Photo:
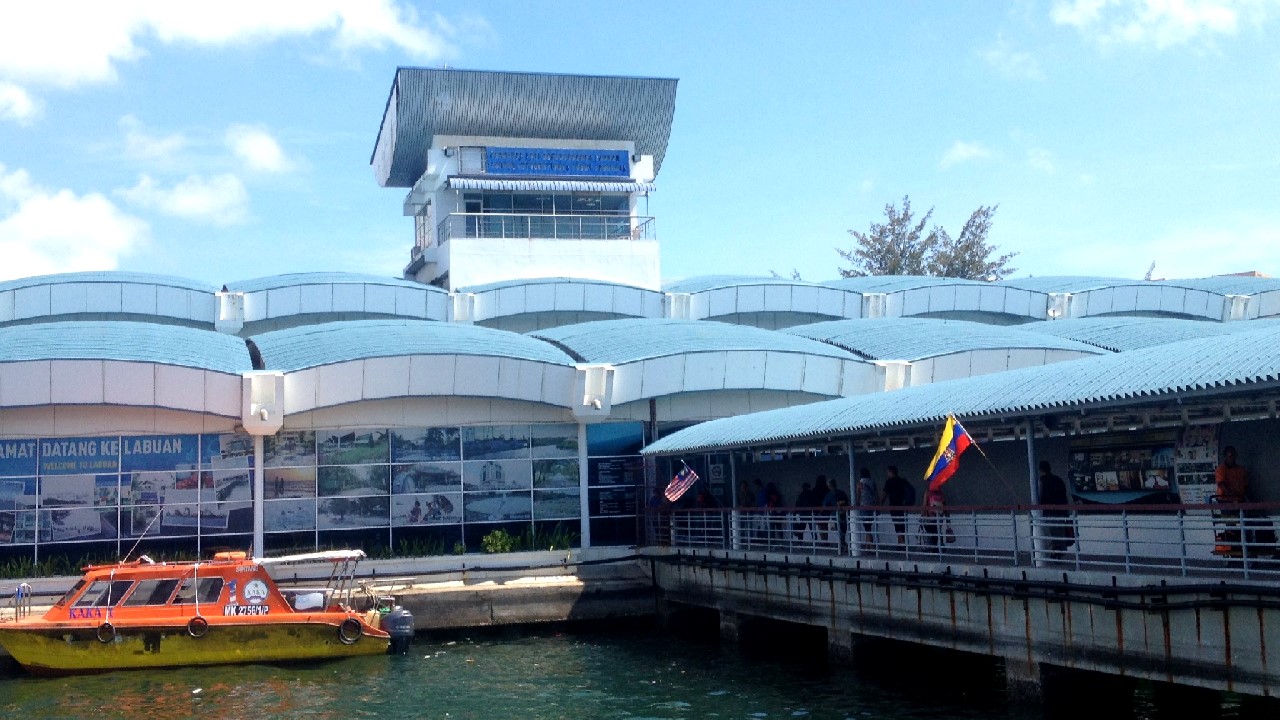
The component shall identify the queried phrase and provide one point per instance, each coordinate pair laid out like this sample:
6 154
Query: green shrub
499 541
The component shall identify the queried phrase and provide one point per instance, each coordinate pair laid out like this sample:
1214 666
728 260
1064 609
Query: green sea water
544 674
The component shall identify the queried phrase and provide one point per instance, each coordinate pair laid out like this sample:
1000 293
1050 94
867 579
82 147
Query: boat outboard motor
399 625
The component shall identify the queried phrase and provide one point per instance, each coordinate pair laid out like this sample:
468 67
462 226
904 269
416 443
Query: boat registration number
245 610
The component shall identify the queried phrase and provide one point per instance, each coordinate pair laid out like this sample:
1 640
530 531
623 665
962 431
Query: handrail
1206 540
20 601
536 226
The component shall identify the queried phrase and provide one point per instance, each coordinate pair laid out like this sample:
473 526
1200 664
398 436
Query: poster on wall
353 446
493 475
414 445
426 477
18 457
78 523
1195 460
289 482
565 504
495 442
497 506
289 448
555 474
289 515
226 450
72 456
613 501
1122 468
339 513
615 471
159 452
353 480
553 441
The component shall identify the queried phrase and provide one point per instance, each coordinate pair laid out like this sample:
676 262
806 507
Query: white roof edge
315 557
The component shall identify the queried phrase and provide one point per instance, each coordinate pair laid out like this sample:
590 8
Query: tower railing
545 227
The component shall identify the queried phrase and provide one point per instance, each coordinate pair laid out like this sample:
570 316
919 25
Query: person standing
898 493
866 496
933 516
1058 525
1231 483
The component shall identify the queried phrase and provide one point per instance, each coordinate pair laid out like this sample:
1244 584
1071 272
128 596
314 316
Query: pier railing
1165 540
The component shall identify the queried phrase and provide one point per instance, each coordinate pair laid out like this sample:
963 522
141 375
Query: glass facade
400 491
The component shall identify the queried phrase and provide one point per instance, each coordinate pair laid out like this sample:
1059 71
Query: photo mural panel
221 451
415 445
353 446
564 504
289 515
289 482
495 442
498 506
226 517
78 524
353 480
339 513
426 509
623 438
426 477
494 475
554 441
17 500
289 448
555 474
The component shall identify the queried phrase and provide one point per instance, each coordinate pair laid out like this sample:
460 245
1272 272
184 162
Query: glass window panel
180 519
495 442
426 444
151 592
426 477
353 447
615 204
227 485
498 506
205 590
226 450
68 490
433 509
586 203
625 438
498 202
557 504
289 515
555 474
228 517
615 471
554 440
104 593
290 448
353 480
613 501
289 482
352 512
71 524
489 475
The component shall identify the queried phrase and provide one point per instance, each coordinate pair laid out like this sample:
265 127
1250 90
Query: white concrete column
584 499
259 494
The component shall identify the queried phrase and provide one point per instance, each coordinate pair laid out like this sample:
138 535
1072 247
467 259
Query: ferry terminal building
512 375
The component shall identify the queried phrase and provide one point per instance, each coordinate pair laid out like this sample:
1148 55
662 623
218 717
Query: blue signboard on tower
556 162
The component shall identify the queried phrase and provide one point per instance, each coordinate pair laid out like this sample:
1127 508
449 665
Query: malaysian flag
681 483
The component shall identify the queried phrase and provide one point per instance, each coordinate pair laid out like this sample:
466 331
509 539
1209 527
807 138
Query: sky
227 141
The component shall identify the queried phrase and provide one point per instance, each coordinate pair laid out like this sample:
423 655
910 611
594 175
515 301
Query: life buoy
349 631
197 627
106 632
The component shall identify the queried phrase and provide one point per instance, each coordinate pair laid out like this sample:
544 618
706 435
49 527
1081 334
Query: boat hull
69 650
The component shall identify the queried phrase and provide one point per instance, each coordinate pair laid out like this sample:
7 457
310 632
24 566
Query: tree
901 246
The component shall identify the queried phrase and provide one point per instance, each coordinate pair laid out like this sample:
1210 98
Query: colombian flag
954 441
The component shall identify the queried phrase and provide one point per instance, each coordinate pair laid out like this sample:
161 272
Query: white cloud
1010 63
962 151
220 200
256 148
16 104
43 231
66 44
1185 252
1157 23
141 145
1042 160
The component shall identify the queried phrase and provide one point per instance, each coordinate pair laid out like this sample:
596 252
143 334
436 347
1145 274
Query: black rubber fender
106 632
350 632
197 627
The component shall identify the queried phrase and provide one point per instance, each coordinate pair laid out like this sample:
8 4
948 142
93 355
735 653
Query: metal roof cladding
110 276
1065 283
714 282
315 345
440 101
1121 333
895 283
1243 361
919 338
125 341
1228 284
635 339
502 284
274 282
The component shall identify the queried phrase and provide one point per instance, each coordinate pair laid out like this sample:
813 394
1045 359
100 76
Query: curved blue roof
1119 333
273 282
1065 283
1248 361
919 338
634 339
125 341
712 282
502 284
315 345
896 283
1228 284
111 276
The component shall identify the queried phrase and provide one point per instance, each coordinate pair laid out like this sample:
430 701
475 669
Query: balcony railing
545 227
1184 541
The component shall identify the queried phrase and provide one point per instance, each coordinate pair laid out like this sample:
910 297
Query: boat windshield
104 593
70 593
206 590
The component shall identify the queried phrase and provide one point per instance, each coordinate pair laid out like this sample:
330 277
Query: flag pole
999 474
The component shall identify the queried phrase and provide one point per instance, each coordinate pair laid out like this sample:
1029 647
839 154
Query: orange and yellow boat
144 614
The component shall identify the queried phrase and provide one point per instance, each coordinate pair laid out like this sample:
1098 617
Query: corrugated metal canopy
1122 333
635 339
314 345
274 282
1248 360
1065 283
524 282
466 183
439 101
919 338
125 341
1228 284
